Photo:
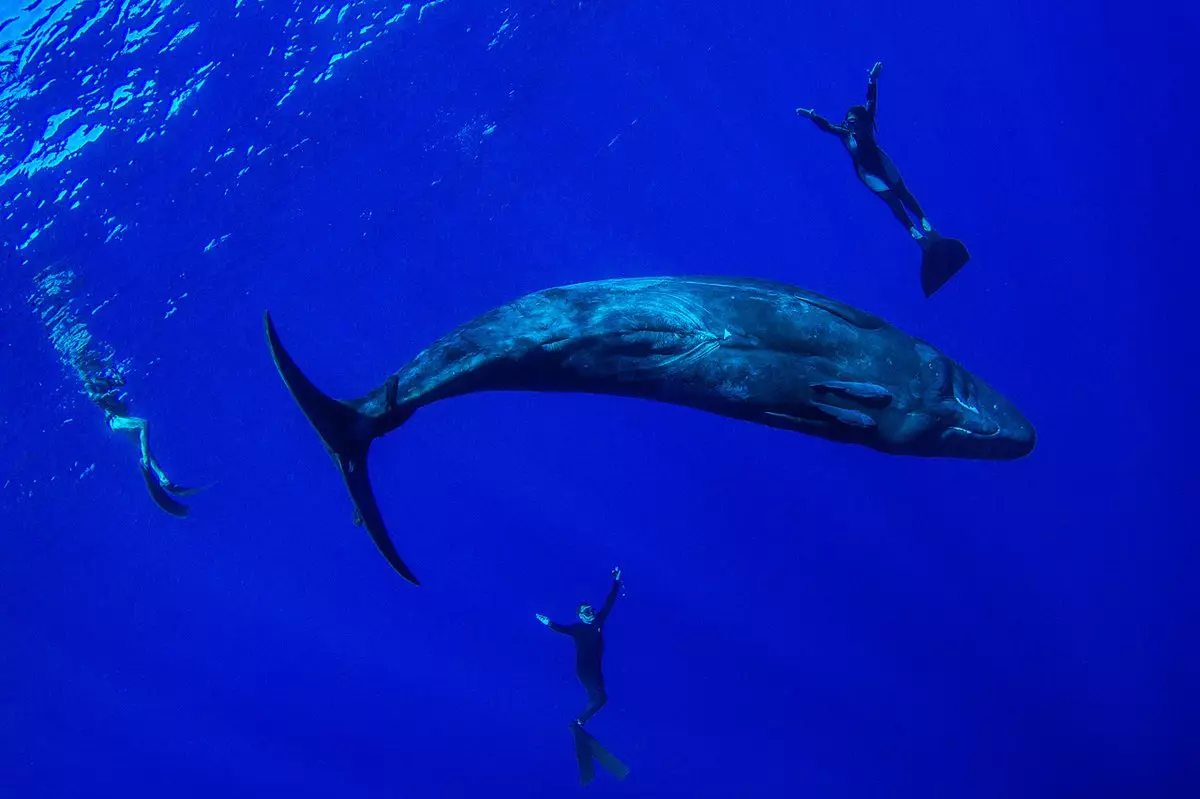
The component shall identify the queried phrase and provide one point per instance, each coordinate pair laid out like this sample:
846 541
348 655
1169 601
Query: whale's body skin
749 349
744 348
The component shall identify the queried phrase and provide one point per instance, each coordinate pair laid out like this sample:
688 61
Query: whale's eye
941 374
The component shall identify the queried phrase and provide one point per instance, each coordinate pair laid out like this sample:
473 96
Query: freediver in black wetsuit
942 257
101 381
102 384
588 635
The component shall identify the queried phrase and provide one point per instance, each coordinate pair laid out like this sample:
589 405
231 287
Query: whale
744 348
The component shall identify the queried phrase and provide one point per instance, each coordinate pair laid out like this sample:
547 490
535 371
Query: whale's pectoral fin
846 415
941 259
347 435
790 421
867 393
160 496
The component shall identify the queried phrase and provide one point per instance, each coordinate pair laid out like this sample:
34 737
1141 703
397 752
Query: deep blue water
802 618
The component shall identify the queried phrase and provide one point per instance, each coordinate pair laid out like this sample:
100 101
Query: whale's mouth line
971 408
994 434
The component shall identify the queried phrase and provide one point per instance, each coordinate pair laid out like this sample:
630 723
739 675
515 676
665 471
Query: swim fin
346 434
583 754
588 748
941 259
160 496
183 491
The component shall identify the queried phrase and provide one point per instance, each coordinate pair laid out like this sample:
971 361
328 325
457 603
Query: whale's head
951 413
964 417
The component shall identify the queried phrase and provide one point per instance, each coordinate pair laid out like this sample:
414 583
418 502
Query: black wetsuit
589 650
872 165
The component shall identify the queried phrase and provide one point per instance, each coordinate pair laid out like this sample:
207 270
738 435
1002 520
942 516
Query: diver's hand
543 619
616 573
875 69
804 112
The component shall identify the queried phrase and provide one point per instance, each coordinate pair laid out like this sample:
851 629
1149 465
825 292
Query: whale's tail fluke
347 435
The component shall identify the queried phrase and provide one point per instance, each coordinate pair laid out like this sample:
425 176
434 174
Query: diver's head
587 613
856 118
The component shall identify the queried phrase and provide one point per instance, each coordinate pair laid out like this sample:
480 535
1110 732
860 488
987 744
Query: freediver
942 257
588 635
102 384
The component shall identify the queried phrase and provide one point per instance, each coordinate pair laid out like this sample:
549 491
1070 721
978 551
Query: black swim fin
160 496
347 435
583 754
941 258
588 748
182 491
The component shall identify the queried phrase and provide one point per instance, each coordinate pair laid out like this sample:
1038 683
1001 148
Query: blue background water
802 618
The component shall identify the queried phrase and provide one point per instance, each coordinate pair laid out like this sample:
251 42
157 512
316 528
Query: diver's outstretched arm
818 120
553 625
872 88
612 595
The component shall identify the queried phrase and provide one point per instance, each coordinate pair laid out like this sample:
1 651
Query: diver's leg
138 428
894 202
911 201
148 459
596 699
